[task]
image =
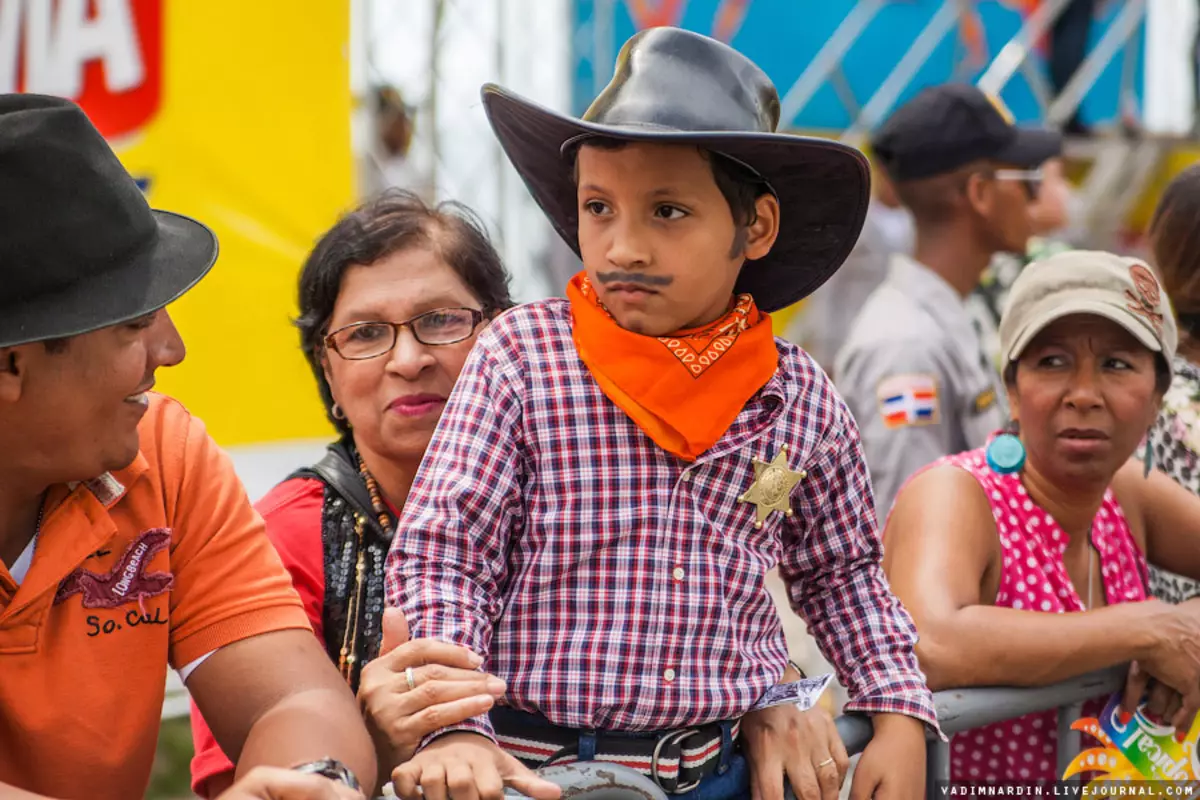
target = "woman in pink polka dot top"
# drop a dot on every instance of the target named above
(1033, 576)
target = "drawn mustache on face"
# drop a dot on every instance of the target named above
(634, 277)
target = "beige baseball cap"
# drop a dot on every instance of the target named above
(1124, 290)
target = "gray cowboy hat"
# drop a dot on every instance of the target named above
(80, 249)
(675, 86)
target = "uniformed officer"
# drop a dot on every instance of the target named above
(913, 370)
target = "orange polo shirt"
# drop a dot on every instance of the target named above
(152, 566)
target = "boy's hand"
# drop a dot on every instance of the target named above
(802, 746)
(467, 766)
(448, 691)
(893, 765)
(273, 783)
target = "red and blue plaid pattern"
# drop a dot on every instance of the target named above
(617, 587)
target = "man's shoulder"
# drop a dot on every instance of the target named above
(166, 418)
(889, 314)
(170, 442)
(891, 326)
(163, 432)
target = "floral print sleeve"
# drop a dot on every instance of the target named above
(1175, 439)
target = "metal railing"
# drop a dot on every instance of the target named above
(599, 781)
(961, 710)
(958, 710)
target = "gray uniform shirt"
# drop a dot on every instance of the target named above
(914, 375)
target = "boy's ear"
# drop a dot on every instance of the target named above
(763, 232)
(12, 373)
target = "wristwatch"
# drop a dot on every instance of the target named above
(333, 769)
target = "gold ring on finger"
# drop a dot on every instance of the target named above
(825, 763)
(411, 678)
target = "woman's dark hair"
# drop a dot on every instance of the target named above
(388, 223)
(1175, 240)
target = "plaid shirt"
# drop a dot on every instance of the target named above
(614, 586)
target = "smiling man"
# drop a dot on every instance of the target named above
(127, 544)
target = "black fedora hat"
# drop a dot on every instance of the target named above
(80, 249)
(674, 86)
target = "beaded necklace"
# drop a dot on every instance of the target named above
(348, 656)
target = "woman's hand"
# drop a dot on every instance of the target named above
(1168, 676)
(448, 689)
(893, 765)
(803, 746)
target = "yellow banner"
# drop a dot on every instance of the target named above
(236, 113)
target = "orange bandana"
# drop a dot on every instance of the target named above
(683, 390)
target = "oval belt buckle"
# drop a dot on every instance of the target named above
(675, 737)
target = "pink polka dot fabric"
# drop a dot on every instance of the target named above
(1033, 578)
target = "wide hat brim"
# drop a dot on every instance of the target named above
(823, 188)
(171, 263)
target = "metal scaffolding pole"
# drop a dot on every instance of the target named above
(439, 53)
(881, 103)
(1117, 36)
(435, 50)
(827, 61)
(1015, 53)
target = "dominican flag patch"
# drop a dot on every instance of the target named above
(908, 400)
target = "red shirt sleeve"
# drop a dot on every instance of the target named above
(209, 760)
(292, 511)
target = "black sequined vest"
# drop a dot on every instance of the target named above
(347, 500)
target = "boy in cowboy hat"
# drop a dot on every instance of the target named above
(126, 541)
(616, 472)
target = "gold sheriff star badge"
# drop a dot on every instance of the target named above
(772, 486)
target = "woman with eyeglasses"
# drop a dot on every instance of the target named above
(391, 301)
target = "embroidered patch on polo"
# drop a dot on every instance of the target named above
(128, 581)
(908, 400)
